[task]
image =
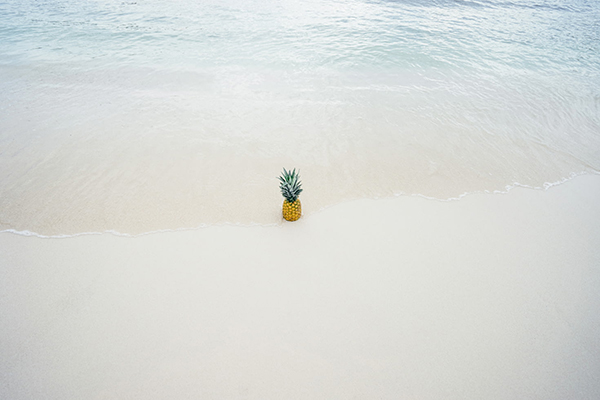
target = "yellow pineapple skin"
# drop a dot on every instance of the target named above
(292, 211)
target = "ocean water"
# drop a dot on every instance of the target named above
(145, 115)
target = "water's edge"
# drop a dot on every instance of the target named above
(546, 186)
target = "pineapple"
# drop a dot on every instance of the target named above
(290, 189)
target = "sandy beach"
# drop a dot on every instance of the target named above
(494, 296)
(143, 253)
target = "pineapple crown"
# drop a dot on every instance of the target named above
(290, 185)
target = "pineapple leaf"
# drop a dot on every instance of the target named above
(290, 185)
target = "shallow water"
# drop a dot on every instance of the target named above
(137, 116)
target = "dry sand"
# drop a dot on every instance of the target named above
(489, 297)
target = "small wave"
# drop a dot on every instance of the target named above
(506, 190)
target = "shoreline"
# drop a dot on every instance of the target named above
(492, 296)
(507, 189)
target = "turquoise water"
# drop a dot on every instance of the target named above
(485, 37)
(136, 116)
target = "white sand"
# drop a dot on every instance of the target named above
(489, 297)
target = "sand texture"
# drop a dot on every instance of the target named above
(489, 297)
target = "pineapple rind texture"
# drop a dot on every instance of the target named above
(292, 210)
